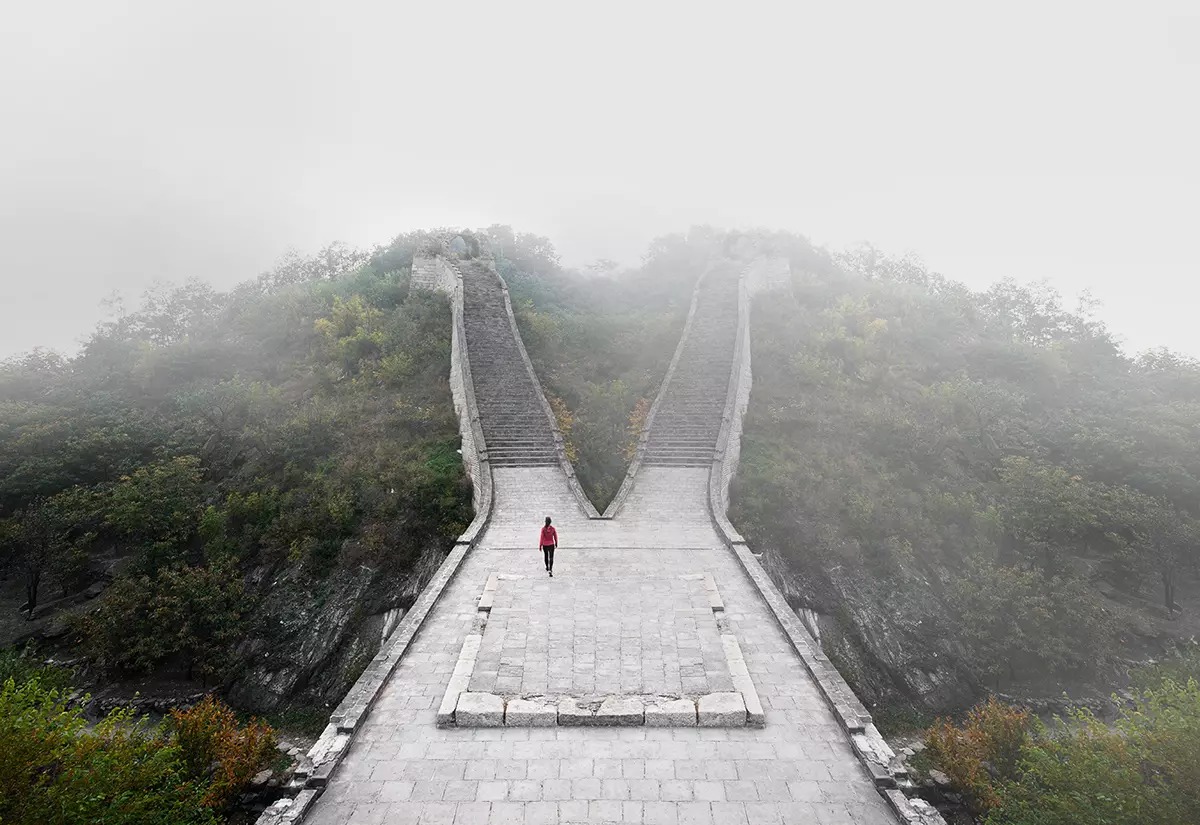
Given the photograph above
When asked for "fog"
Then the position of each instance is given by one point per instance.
(146, 140)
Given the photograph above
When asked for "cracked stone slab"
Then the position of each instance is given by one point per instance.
(480, 710)
(572, 711)
(620, 711)
(671, 713)
(530, 713)
(722, 710)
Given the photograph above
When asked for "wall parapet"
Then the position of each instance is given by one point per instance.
(886, 769)
(433, 272)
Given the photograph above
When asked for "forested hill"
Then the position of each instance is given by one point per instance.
(969, 490)
(248, 480)
(958, 490)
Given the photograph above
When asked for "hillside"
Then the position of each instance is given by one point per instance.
(968, 491)
(234, 488)
(959, 493)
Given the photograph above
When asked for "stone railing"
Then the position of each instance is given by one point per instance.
(886, 769)
(436, 273)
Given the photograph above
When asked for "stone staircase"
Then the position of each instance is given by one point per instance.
(687, 421)
(516, 429)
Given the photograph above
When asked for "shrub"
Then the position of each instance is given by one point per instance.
(21, 666)
(54, 771)
(194, 613)
(1015, 770)
(214, 747)
(1080, 771)
(985, 749)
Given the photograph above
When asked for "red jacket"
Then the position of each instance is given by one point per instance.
(549, 536)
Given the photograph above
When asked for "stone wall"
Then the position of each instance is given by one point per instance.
(888, 771)
(433, 272)
(439, 274)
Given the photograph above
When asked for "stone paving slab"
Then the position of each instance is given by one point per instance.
(601, 636)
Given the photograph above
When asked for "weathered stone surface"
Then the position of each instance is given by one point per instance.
(620, 711)
(479, 710)
(530, 713)
(572, 712)
(573, 636)
(722, 710)
(671, 713)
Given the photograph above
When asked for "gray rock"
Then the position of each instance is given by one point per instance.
(722, 710)
(620, 711)
(940, 779)
(572, 712)
(479, 710)
(529, 713)
(671, 713)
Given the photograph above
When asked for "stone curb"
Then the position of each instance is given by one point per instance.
(326, 754)
(729, 709)
(869, 746)
(626, 487)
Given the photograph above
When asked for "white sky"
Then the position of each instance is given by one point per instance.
(165, 139)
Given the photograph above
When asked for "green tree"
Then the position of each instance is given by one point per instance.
(1013, 620)
(157, 507)
(189, 614)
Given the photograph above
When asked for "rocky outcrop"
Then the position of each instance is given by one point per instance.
(315, 637)
(885, 641)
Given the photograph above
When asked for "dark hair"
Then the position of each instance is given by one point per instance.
(547, 519)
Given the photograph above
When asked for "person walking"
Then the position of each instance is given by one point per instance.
(549, 542)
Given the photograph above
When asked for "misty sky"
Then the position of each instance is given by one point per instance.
(143, 140)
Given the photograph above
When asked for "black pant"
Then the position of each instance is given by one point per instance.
(548, 552)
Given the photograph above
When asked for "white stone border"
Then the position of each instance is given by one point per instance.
(888, 772)
(316, 767)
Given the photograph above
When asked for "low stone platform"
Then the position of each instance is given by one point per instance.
(600, 652)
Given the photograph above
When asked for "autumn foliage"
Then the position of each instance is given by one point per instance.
(215, 747)
(991, 737)
(56, 769)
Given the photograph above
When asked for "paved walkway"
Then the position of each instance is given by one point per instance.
(401, 768)
(601, 636)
